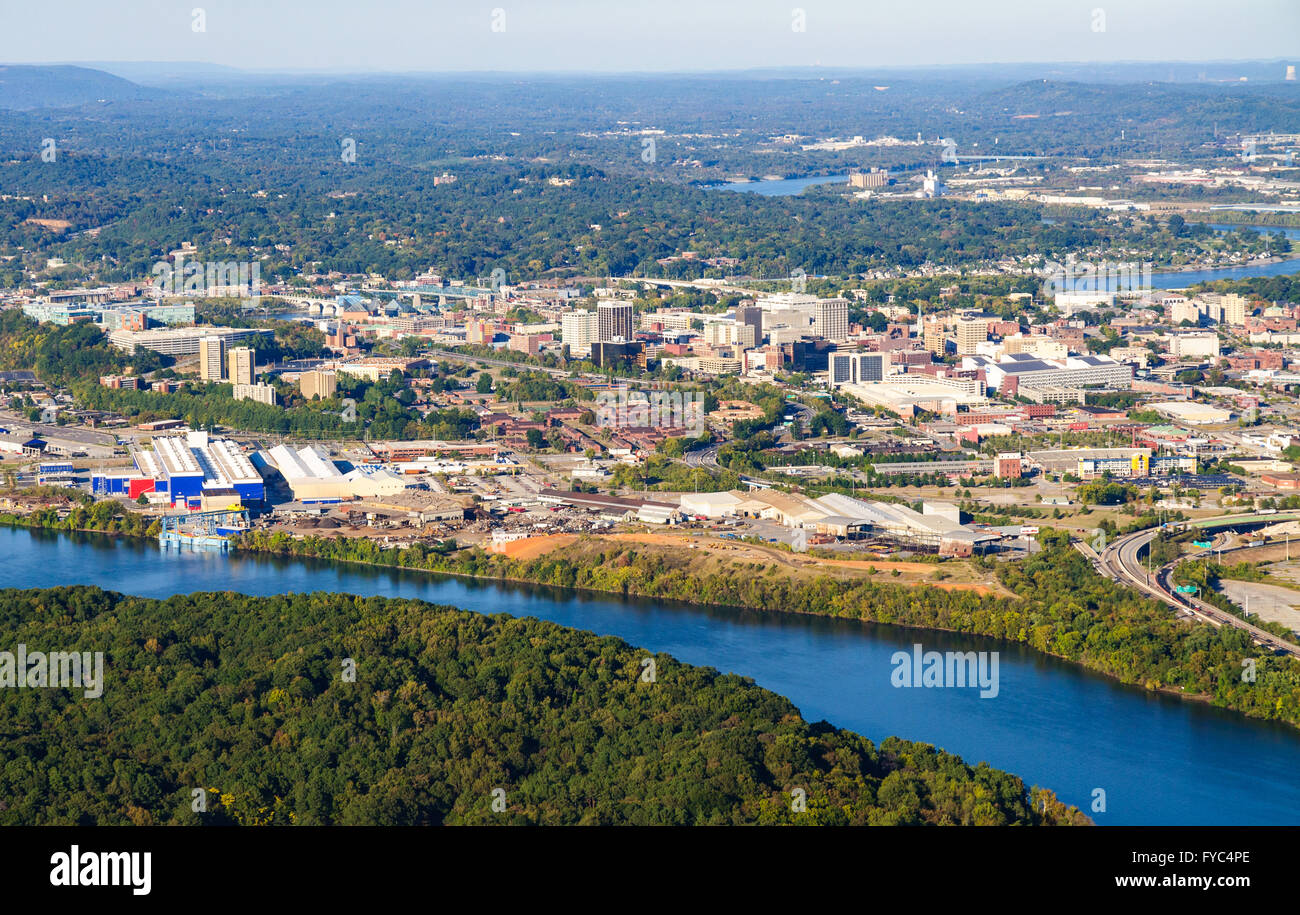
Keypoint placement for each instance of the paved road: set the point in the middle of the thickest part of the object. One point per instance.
(502, 363)
(1120, 562)
(702, 457)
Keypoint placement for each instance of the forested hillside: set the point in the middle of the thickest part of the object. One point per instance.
(247, 699)
(1062, 607)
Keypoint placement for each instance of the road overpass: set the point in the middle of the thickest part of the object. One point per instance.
(1121, 561)
(1248, 518)
(501, 363)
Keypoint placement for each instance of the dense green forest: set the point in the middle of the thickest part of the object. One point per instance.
(566, 190)
(60, 355)
(379, 410)
(335, 709)
(1062, 607)
(78, 354)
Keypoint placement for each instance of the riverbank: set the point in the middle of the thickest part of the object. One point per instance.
(1044, 611)
(1062, 608)
(1055, 723)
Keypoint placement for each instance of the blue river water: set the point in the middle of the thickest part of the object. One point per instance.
(1160, 760)
(1178, 280)
(783, 187)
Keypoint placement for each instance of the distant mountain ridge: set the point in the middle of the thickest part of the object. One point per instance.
(24, 87)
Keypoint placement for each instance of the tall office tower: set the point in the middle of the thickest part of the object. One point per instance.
(241, 364)
(831, 319)
(971, 332)
(752, 316)
(578, 330)
(936, 341)
(614, 321)
(212, 358)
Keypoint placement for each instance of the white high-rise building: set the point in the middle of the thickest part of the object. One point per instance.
(578, 330)
(726, 333)
(212, 358)
(971, 332)
(831, 320)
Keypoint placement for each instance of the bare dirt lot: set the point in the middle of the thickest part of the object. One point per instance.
(713, 555)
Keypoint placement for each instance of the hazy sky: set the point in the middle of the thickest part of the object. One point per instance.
(640, 35)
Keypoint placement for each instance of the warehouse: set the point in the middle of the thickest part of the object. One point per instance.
(189, 469)
(905, 524)
(25, 445)
(714, 504)
(66, 441)
(314, 477)
(311, 474)
(1191, 412)
(613, 508)
(789, 509)
(846, 517)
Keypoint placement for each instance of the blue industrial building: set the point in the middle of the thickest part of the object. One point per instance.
(186, 468)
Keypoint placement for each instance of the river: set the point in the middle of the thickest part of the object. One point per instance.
(1175, 279)
(782, 187)
(1160, 760)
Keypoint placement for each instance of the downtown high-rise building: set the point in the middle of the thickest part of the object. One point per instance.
(752, 316)
(241, 365)
(729, 333)
(212, 358)
(936, 338)
(831, 319)
(857, 368)
(971, 332)
(578, 330)
(613, 321)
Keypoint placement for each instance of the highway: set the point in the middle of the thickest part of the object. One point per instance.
(702, 457)
(1120, 561)
(500, 363)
